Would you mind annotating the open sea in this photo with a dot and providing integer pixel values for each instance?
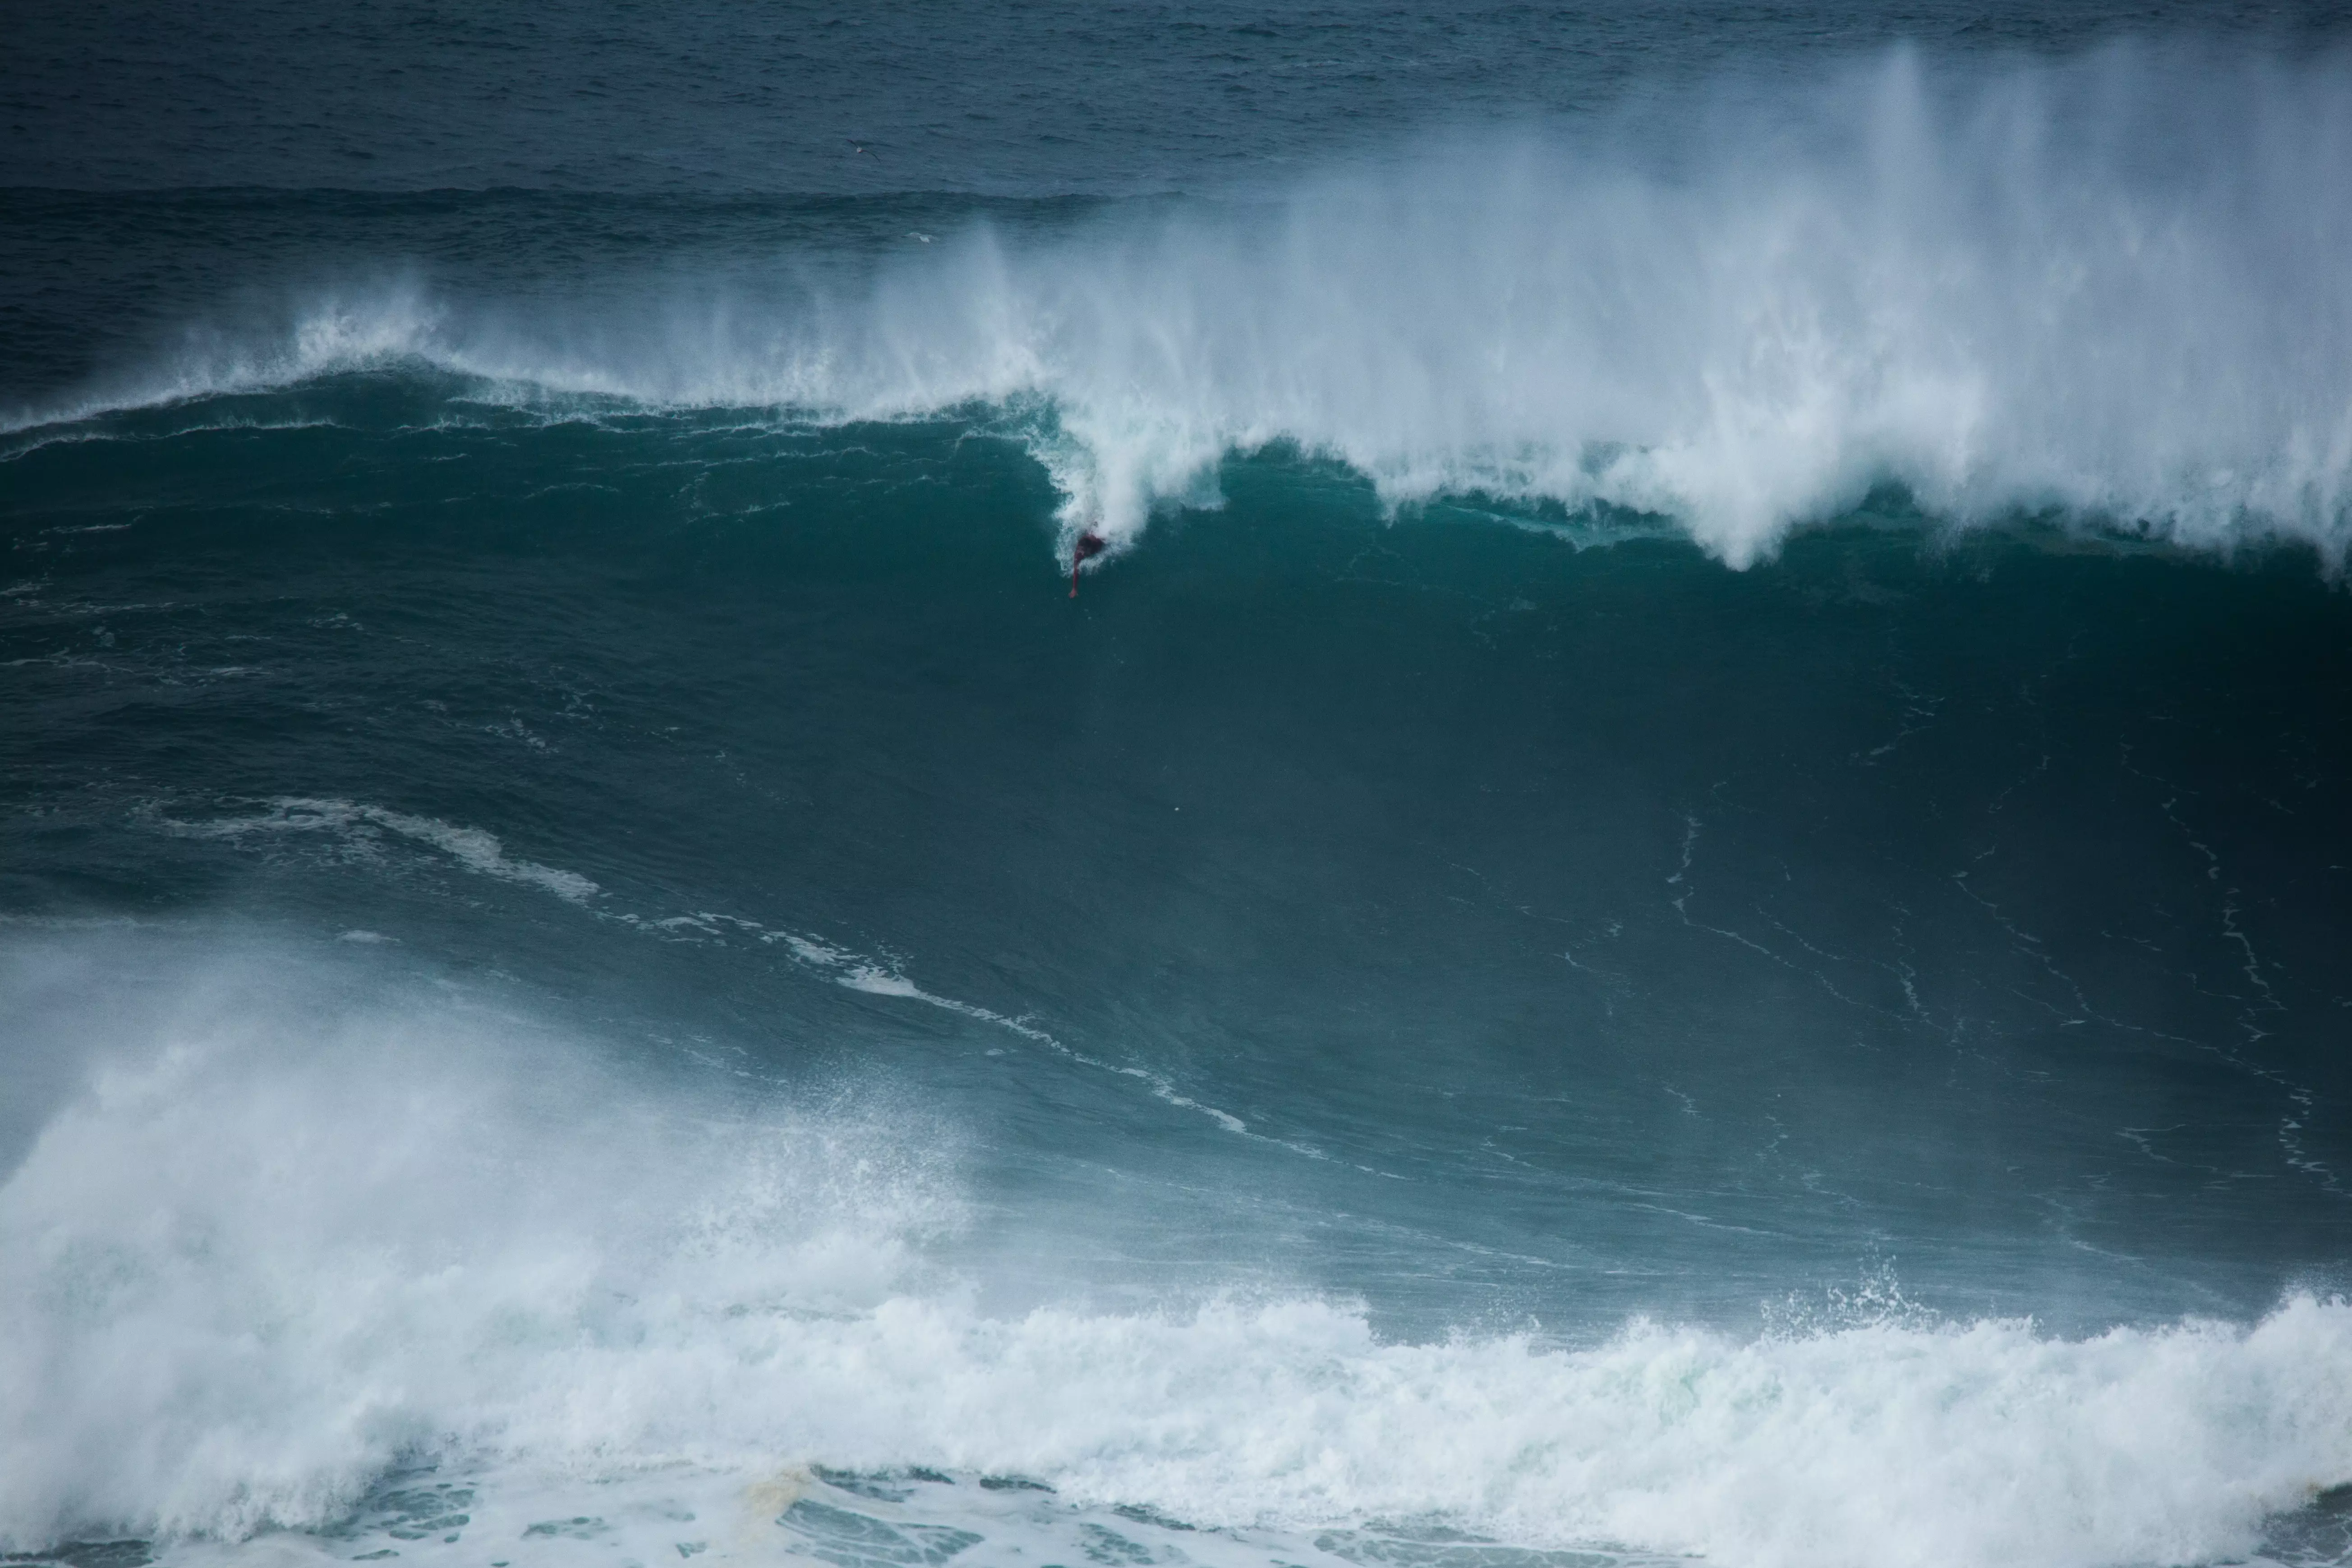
(1678, 887)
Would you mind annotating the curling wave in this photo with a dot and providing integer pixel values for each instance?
(2110, 290)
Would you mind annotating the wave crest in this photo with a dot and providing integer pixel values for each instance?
(2109, 288)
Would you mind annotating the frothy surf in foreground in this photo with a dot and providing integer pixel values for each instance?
(2109, 288)
(315, 1248)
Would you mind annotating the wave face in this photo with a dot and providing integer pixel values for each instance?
(654, 983)
(2108, 290)
(605, 958)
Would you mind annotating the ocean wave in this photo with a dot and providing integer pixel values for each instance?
(2108, 288)
(302, 1227)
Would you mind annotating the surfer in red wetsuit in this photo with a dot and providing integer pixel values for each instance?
(1090, 545)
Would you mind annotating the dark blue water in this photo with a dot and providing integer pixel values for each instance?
(1676, 886)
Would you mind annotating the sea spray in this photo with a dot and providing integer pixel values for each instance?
(2104, 289)
(304, 1229)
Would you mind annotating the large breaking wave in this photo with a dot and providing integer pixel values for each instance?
(299, 1227)
(2110, 290)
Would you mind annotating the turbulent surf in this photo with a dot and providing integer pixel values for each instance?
(1676, 889)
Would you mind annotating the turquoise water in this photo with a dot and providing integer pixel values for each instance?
(1675, 889)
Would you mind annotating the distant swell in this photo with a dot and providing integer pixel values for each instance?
(2111, 290)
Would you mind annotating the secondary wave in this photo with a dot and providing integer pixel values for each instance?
(2109, 288)
(302, 1227)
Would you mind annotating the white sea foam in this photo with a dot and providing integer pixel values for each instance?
(300, 1227)
(472, 847)
(356, 828)
(2110, 288)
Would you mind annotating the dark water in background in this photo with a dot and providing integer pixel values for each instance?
(1679, 888)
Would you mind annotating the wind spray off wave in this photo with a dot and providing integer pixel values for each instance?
(2110, 290)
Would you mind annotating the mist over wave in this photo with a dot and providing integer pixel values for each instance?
(2109, 288)
(304, 1222)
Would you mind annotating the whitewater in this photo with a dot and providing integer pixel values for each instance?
(2105, 290)
(1677, 891)
(299, 1233)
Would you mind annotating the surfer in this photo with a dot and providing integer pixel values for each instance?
(1090, 545)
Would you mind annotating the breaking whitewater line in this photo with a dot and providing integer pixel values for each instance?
(482, 854)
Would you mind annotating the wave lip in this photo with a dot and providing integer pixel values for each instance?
(2108, 288)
